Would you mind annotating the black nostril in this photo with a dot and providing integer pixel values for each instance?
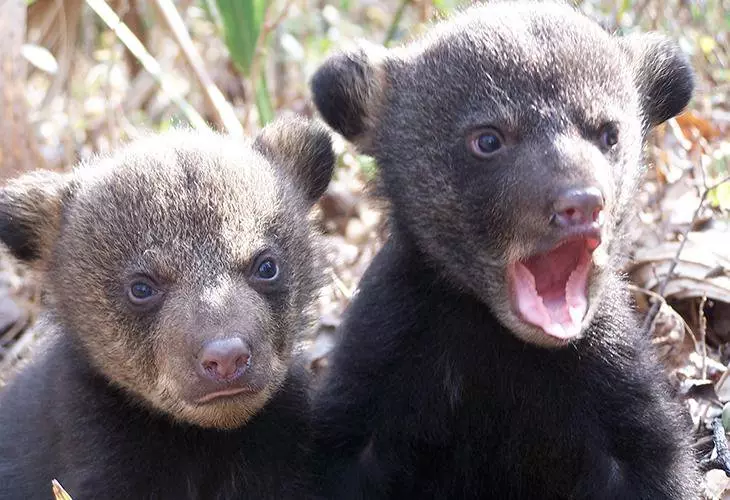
(578, 207)
(224, 359)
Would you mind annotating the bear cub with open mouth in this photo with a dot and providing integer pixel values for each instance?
(177, 274)
(492, 351)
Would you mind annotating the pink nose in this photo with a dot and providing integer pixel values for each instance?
(225, 359)
(577, 207)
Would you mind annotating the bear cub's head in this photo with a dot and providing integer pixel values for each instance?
(509, 141)
(184, 264)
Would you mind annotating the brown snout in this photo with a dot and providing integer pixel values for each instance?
(578, 207)
(224, 359)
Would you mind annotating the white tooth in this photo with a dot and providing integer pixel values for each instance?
(576, 314)
(600, 257)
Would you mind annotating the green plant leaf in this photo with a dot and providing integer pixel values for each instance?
(720, 196)
(263, 102)
(242, 22)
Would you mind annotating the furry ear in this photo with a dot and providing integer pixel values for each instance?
(303, 148)
(348, 90)
(662, 74)
(30, 213)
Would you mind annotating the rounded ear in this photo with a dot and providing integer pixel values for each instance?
(30, 213)
(662, 74)
(348, 90)
(303, 148)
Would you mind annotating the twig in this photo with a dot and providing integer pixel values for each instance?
(722, 461)
(651, 315)
(721, 381)
(13, 354)
(390, 34)
(66, 46)
(17, 327)
(225, 113)
(341, 286)
(149, 63)
(663, 301)
(703, 335)
(260, 51)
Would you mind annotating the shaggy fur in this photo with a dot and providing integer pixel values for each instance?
(111, 408)
(438, 388)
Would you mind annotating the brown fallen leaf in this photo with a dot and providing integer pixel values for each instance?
(690, 119)
(693, 276)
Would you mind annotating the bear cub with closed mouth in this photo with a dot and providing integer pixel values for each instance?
(492, 350)
(177, 273)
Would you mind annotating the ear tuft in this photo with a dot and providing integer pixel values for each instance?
(303, 148)
(663, 75)
(348, 88)
(30, 213)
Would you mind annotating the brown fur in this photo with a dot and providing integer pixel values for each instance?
(192, 213)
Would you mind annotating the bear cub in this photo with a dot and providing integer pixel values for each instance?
(492, 350)
(177, 274)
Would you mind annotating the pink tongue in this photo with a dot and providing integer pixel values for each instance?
(561, 306)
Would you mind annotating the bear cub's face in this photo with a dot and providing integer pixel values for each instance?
(509, 141)
(184, 264)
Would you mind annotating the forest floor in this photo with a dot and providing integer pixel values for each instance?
(86, 94)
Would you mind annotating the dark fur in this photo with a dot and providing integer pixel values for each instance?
(109, 405)
(437, 389)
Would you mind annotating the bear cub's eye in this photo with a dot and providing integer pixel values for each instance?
(609, 135)
(267, 272)
(484, 142)
(267, 269)
(141, 291)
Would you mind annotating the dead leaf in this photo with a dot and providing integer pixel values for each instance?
(690, 119)
(703, 252)
(58, 492)
(717, 485)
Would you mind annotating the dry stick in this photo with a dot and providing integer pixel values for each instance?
(651, 315)
(341, 286)
(260, 52)
(148, 62)
(222, 108)
(703, 335)
(66, 46)
(721, 381)
(663, 301)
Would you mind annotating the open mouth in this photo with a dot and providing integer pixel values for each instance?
(550, 290)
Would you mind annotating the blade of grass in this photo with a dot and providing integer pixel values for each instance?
(149, 63)
(223, 109)
(58, 492)
(393, 28)
(246, 26)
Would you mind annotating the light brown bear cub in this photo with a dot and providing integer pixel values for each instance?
(178, 273)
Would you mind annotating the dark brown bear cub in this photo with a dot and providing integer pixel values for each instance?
(178, 273)
(492, 351)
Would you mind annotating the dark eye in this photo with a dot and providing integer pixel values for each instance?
(267, 269)
(141, 291)
(485, 142)
(609, 135)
